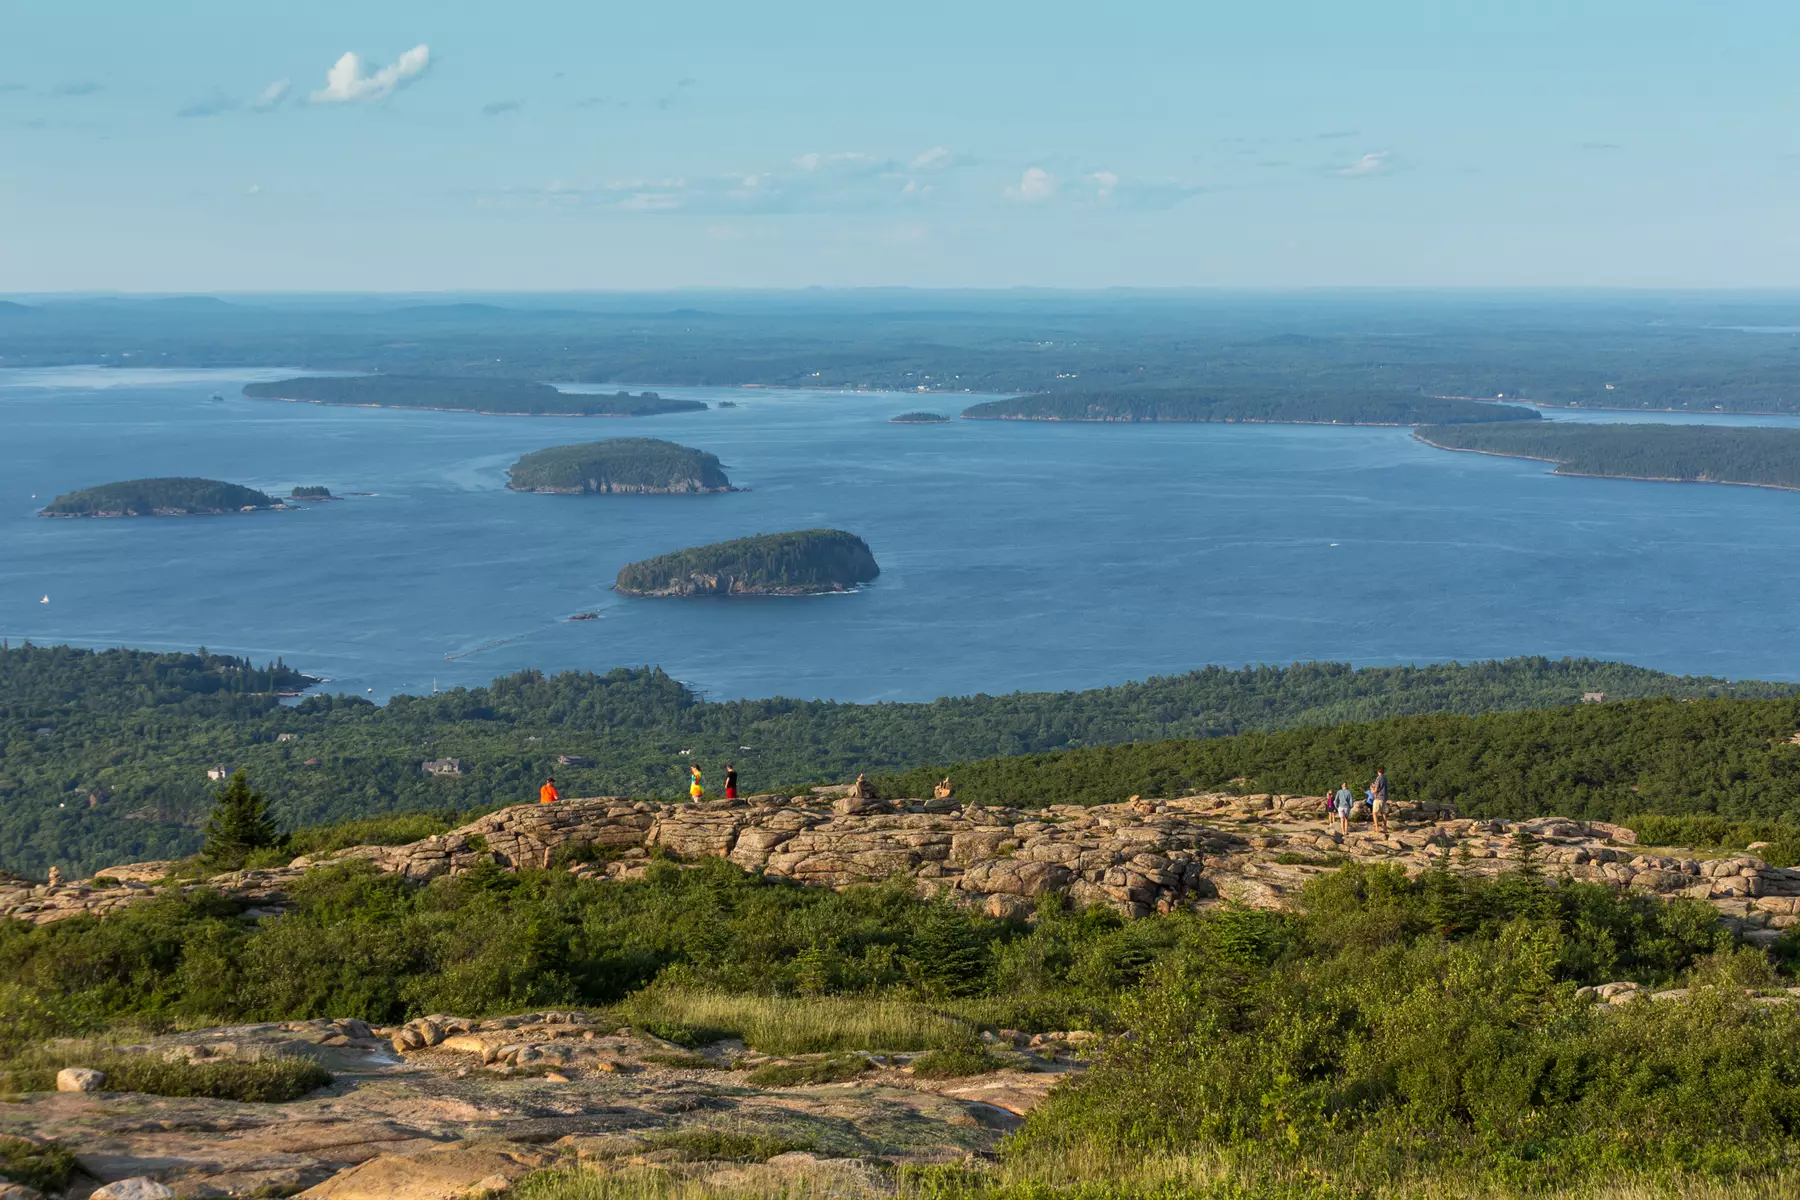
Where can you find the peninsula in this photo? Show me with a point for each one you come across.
(454, 393)
(803, 563)
(1267, 407)
(166, 497)
(618, 466)
(920, 418)
(1753, 456)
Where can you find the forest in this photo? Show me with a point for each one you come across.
(171, 497)
(464, 393)
(1171, 404)
(800, 563)
(1765, 457)
(618, 465)
(103, 755)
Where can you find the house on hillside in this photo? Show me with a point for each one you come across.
(443, 766)
(217, 773)
(1593, 697)
(573, 760)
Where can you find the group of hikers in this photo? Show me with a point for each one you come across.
(548, 793)
(1339, 803)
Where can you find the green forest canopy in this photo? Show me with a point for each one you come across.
(464, 393)
(919, 418)
(1767, 457)
(103, 755)
(807, 560)
(1270, 405)
(618, 464)
(172, 496)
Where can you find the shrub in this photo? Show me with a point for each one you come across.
(967, 1058)
(46, 1166)
(700, 1145)
(839, 1068)
(262, 1081)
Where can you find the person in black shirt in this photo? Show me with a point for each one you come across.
(730, 782)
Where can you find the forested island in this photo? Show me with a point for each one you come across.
(311, 492)
(1272, 406)
(1754, 456)
(618, 466)
(920, 418)
(803, 563)
(452, 393)
(160, 497)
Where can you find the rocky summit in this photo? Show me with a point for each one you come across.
(1140, 857)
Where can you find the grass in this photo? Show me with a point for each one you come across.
(792, 1025)
(953, 1062)
(46, 1166)
(683, 1062)
(1146, 1177)
(266, 1080)
(839, 1068)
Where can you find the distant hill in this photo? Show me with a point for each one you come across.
(167, 497)
(920, 418)
(516, 397)
(806, 562)
(10, 308)
(618, 465)
(1759, 457)
(1272, 406)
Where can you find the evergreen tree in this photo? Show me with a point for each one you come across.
(240, 823)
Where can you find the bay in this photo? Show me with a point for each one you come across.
(1014, 555)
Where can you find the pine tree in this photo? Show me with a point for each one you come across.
(239, 824)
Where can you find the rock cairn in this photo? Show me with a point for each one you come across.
(1139, 857)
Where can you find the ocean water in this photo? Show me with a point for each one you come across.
(1014, 555)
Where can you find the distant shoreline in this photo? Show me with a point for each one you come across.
(475, 412)
(1774, 487)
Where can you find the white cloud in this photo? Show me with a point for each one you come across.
(272, 95)
(1104, 182)
(1369, 164)
(254, 189)
(349, 80)
(1034, 185)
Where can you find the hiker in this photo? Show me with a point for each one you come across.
(548, 793)
(1343, 808)
(1378, 799)
(696, 786)
(730, 782)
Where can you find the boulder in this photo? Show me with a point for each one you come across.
(80, 1079)
(138, 1187)
(442, 1174)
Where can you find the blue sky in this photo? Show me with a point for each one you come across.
(230, 146)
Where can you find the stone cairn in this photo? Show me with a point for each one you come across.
(1139, 857)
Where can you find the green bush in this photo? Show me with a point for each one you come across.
(839, 1068)
(704, 1145)
(47, 1166)
(263, 1081)
(969, 1058)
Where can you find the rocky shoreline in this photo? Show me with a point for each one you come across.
(1139, 858)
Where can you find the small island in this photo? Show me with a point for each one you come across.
(805, 563)
(493, 397)
(311, 492)
(618, 466)
(1335, 408)
(1754, 456)
(168, 497)
(920, 418)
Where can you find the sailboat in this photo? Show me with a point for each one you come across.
(45, 600)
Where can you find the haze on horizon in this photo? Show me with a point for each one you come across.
(340, 147)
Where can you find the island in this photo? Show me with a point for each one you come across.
(164, 497)
(618, 466)
(311, 492)
(920, 418)
(1754, 456)
(804, 563)
(456, 393)
(1260, 407)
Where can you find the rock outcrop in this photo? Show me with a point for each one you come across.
(1139, 857)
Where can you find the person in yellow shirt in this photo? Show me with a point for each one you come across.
(548, 793)
(696, 787)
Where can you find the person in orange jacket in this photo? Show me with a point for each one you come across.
(548, 793)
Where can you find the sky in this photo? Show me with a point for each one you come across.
(416, 145)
